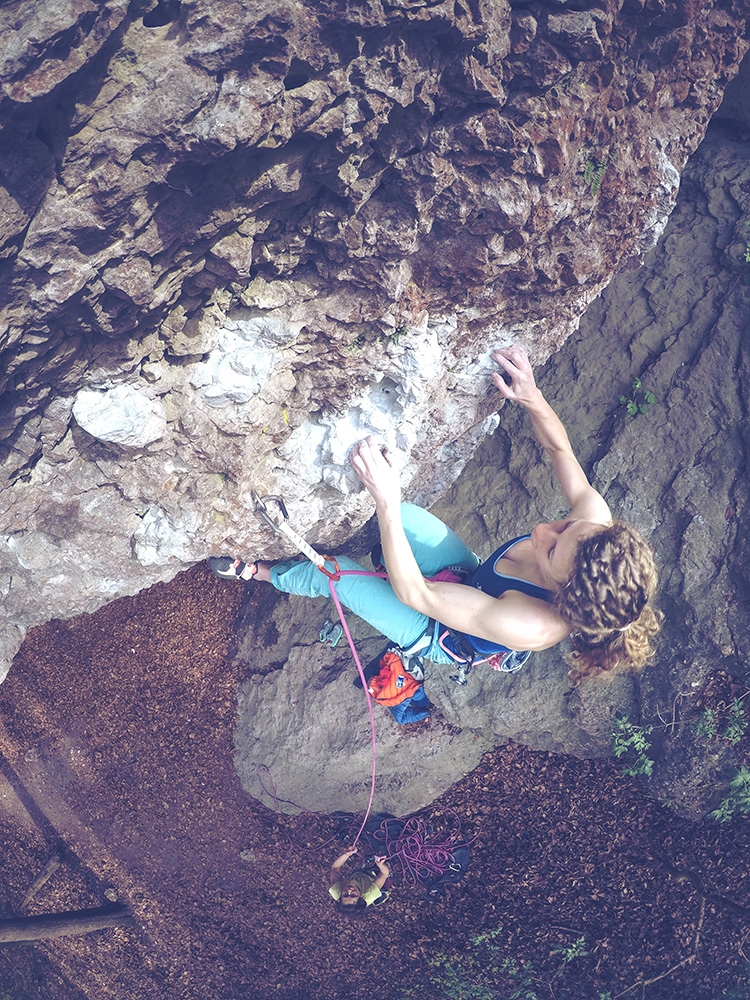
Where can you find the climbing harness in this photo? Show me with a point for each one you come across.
(282, 527)
(465, 655)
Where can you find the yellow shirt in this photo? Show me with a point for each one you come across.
(368, 890)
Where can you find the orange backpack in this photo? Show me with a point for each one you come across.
(392, 684)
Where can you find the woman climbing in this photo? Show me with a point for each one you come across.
(587, 577)
(362, 887)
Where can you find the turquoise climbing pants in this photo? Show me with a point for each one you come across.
(434, 546)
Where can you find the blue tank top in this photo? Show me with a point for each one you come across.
(465, 647)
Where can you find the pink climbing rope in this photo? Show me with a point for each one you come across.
(421, 855)
(332, 578)
(283, 528)
(347, 633)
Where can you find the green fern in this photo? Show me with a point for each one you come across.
(736, 723)
(593, 170)
(593, 173)
(709, 724)
(738, 800)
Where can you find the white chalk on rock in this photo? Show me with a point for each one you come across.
(158, 540)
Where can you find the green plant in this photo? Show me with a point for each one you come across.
(640, 401)
(521, 977)
(393, 338)
(709, 724)
(452, 982)
(593, 173)
(594, 170)
(632, 740)
(736, 723)
(485, 936)
(741, 264)
(571, 951)
(476, 977)
(738, 799)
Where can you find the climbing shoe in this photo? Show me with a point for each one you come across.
(330, 633)
(232, 569)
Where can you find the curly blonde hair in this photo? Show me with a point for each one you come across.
(607, 600)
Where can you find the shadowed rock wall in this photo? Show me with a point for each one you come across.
(235, 237)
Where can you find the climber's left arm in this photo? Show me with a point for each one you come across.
(514, 620)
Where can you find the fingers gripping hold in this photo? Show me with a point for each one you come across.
(514, 361)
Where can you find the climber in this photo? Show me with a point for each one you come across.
(363, 887)
(587, 577)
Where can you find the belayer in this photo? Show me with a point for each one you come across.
(587, 577)
(362, 887)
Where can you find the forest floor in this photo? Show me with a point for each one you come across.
(116, 750)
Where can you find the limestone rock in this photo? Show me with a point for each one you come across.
(122, 415)
(311, 713)
(288, 225)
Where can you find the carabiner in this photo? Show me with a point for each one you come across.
(260, 506)
(336, 574)
(283, 528)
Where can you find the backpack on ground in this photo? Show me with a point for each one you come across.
(392, 684)
(389, 677)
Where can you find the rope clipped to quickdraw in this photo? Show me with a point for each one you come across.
(282, 527)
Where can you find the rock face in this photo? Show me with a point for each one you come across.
(236, 237)
(304, 731)
(678, 470)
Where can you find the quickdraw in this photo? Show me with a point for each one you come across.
(282, 527)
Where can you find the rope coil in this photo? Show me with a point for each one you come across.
(413, 846)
